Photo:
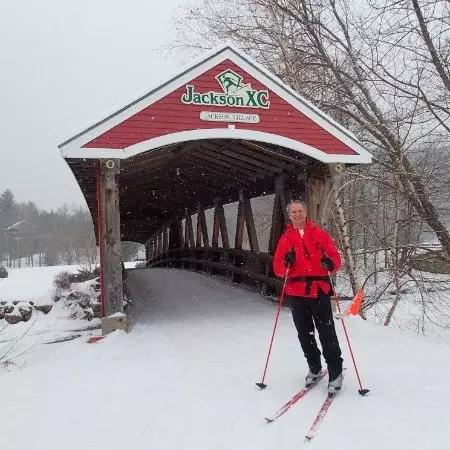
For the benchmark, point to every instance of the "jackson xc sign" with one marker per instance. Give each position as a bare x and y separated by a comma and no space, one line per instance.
235,93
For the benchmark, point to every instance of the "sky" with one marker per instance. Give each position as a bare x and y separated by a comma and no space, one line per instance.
64,66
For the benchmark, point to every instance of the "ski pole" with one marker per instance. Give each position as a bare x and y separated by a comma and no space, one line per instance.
280,304
361,390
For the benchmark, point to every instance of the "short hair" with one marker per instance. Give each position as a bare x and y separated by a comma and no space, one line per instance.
301,202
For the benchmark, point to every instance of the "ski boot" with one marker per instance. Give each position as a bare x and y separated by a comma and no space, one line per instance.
335,386
312,377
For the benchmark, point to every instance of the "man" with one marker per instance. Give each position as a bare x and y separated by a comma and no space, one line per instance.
309,253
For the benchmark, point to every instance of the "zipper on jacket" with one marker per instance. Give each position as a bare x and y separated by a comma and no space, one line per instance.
308,255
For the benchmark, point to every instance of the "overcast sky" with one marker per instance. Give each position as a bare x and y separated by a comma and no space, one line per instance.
63,66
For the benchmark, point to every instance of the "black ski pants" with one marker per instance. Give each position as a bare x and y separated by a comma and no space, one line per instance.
308,312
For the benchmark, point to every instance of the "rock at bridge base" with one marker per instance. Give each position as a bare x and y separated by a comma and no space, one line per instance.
117,321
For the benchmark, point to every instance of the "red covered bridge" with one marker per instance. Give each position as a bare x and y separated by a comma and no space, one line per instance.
224,130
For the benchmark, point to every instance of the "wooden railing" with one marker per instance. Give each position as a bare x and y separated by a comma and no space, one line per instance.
239,266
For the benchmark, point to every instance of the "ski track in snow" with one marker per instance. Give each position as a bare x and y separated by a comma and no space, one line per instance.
184,379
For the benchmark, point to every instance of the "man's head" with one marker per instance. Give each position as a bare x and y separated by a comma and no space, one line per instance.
298,212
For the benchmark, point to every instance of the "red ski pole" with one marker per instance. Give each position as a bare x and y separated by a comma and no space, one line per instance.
361,390
280,304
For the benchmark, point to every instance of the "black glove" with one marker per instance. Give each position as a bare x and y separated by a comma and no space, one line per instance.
327,263
289,257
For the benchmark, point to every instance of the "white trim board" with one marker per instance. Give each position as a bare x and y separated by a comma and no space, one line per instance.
217,133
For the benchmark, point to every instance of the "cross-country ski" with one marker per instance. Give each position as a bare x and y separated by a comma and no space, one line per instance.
322,413
295,399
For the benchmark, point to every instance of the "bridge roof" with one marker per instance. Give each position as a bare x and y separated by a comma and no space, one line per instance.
225,122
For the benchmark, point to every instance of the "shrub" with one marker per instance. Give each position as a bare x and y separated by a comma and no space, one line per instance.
85,274
3,272
141,265
63,280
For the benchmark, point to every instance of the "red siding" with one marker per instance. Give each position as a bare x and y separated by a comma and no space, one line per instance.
170,115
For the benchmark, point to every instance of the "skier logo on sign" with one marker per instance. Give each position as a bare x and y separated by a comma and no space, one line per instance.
231,82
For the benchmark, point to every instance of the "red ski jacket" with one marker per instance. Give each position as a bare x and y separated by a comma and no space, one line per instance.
306,275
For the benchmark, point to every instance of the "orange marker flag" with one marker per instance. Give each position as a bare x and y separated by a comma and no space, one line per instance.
353,309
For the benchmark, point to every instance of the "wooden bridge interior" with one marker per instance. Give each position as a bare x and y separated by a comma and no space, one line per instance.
162,189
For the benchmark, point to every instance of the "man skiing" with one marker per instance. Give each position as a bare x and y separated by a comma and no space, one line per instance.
309,253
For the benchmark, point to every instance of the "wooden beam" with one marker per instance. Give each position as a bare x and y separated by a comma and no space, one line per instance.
236,168
222,225
186,235
157,185
235,160
200,185
111,264
152,249
319,199
205,183
271,167
315,187
201,220
216,229
198,242
251,229
258,155
240,222
175,240
158,244
299,187
155,159
271,152
180,232
276,228
216,171
165,240
280,190
189,232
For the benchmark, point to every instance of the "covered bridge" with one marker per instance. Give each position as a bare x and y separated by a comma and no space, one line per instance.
224,130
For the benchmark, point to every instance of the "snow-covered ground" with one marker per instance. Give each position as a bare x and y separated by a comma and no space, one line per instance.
36,284
184,379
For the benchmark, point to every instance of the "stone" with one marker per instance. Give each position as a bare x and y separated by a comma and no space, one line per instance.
25,312
80,297
88,314
115,322
84,303
43,308
13,318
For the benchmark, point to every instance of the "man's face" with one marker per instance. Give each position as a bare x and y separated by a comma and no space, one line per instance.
297,214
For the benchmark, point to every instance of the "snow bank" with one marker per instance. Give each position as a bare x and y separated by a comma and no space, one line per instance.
184,379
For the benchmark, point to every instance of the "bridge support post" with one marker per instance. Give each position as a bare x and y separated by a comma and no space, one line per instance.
319,187
110,245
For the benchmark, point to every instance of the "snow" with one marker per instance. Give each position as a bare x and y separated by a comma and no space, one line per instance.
15,225
118,314
36,284
31,283
184,378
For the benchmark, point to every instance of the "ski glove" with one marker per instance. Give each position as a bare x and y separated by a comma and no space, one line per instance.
289,257
327,263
